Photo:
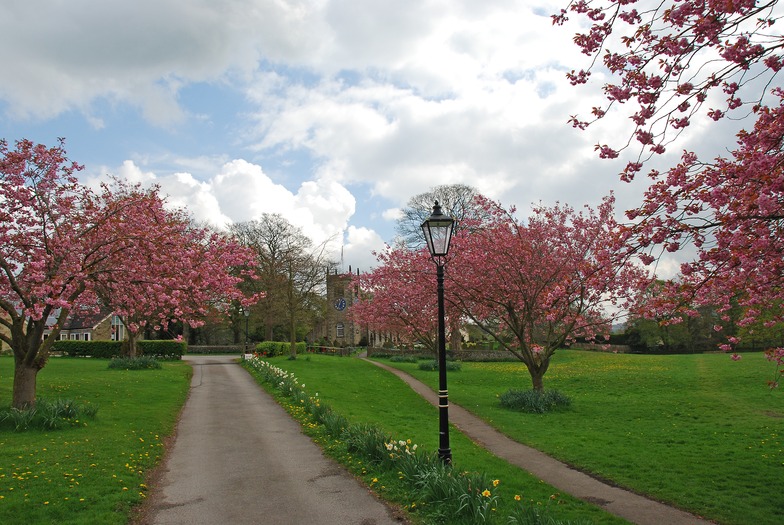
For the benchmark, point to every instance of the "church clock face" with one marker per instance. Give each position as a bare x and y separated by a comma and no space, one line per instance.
340,304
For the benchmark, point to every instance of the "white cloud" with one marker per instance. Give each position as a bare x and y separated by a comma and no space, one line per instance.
241,191
140,52
360,243
133,174
392,214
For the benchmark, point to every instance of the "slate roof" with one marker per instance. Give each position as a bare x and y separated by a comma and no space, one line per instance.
86,319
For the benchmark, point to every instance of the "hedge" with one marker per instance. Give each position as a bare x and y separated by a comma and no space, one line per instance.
273,348
165,349
102,349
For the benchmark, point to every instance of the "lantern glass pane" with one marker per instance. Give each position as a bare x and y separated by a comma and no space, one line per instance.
438,235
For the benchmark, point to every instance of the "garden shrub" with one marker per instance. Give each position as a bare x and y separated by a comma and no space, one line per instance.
380,354
143,362
47,415
534,401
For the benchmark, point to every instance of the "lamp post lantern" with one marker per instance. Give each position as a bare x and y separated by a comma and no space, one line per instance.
438,234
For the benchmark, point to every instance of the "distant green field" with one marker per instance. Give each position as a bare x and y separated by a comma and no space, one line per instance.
700,431
92,474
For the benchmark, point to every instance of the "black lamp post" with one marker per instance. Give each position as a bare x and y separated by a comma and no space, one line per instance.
438,234
246,312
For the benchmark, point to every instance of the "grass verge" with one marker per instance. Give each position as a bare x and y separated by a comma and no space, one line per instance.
93,472
366,395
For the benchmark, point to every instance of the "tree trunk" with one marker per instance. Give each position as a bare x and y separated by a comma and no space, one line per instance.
24,386
132,338
455,338
293,337
537,378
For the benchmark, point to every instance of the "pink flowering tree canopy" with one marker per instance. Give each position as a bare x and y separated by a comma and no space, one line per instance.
538,284
673,63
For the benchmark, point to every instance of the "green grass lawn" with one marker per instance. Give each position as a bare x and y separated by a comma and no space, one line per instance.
93,473
700,431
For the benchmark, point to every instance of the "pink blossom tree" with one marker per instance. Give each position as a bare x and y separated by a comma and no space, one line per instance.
537,285
61,245
169,270
51,247
670,60
399,297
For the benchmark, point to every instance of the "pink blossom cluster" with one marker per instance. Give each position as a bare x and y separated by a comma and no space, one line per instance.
658,55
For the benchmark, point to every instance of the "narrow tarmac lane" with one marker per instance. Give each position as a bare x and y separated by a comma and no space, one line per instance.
238,458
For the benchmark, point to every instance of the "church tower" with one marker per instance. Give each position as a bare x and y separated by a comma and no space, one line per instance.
341,294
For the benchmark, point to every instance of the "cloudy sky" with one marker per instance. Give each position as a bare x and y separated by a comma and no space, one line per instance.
332,113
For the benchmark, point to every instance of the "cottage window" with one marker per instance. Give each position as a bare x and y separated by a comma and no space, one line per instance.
118,329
